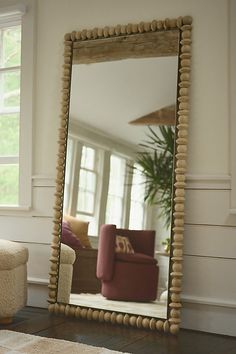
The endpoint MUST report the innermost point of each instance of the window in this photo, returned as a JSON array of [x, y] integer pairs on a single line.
[[87, 182], [137, 203], [10, 60], [115, 198], [100, 187], [16, 73], [81, 183]]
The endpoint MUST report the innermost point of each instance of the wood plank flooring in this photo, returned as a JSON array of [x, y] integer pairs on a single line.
[[39, 322]]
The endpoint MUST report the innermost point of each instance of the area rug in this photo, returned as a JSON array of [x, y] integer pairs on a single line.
[[19, 343]]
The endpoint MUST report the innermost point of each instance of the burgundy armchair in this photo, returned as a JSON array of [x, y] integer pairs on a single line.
[[127, 276]]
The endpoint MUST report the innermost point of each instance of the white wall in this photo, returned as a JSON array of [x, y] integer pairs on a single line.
[[210, 244]]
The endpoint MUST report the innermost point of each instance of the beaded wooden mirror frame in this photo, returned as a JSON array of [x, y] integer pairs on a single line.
[[183, 25]]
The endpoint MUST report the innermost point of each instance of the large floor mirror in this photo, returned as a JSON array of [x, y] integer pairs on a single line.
[[119, 209]]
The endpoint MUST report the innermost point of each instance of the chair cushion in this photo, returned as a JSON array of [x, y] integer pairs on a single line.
[[135, 258], [12, 254], [123, 245], [68, 238], [79, 229]]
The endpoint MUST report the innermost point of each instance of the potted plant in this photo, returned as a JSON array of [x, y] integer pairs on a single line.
[[155, 162]]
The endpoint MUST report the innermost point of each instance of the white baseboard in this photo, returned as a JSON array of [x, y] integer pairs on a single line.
[[37, 293], [209, 318]]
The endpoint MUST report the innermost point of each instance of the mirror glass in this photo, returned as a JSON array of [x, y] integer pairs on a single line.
[[121, 122]]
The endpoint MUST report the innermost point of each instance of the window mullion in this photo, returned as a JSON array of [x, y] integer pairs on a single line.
[[75, 178]]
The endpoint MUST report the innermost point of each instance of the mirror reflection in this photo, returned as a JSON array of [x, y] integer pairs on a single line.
[[118, 184]]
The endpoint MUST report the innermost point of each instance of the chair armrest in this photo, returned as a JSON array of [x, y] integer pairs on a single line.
[[106, 252]]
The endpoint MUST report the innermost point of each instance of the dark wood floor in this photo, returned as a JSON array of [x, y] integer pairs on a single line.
[[40, 322]]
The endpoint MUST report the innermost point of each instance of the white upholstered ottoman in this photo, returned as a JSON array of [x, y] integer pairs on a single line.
[[13, 279], [67, 259]]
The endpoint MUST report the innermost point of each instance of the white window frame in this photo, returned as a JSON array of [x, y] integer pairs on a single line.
[[105, 146], [23, 13]]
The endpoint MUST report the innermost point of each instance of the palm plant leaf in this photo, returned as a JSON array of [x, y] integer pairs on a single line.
[[155, 162]]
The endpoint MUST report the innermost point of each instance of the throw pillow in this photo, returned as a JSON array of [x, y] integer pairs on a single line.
[[123, 245], [68, 238], [79, 229]]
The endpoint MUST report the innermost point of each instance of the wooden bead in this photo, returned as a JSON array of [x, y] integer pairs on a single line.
[[173, 320], [184, 105], [123, 29], [53, 280], [166, 327], [132, 320], [177, 267], [111, 31], [184, 91], [119, 318], [83, 313], [57, 309], [134, 28], [106, 32], [159, 325], [141, 27], [77, 312], [126, 319], [175, 305], [147, 26], [175, 313], [67, 310], [113, 318], [55, 253], [179, 22], [118, 30], [107, 316], [180, 192], [185, 62], [179, 199], [52, 294], [182, 148], [89, 314], [71, 311], [53, 266], [187, 20], [175, 297], [154, 25], [178, 253], [160, 25], [100, 32], [176, 282], [51, 308], [95, 315], [174, 328], [179, 207], [181, 163], [178, 230], [139, 321], [95, 33], [101, 316], [152, 324], [183, 133], [145, 322], [67, 37], [179, 222], [129, 28], [180, 178], [178, 237]]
